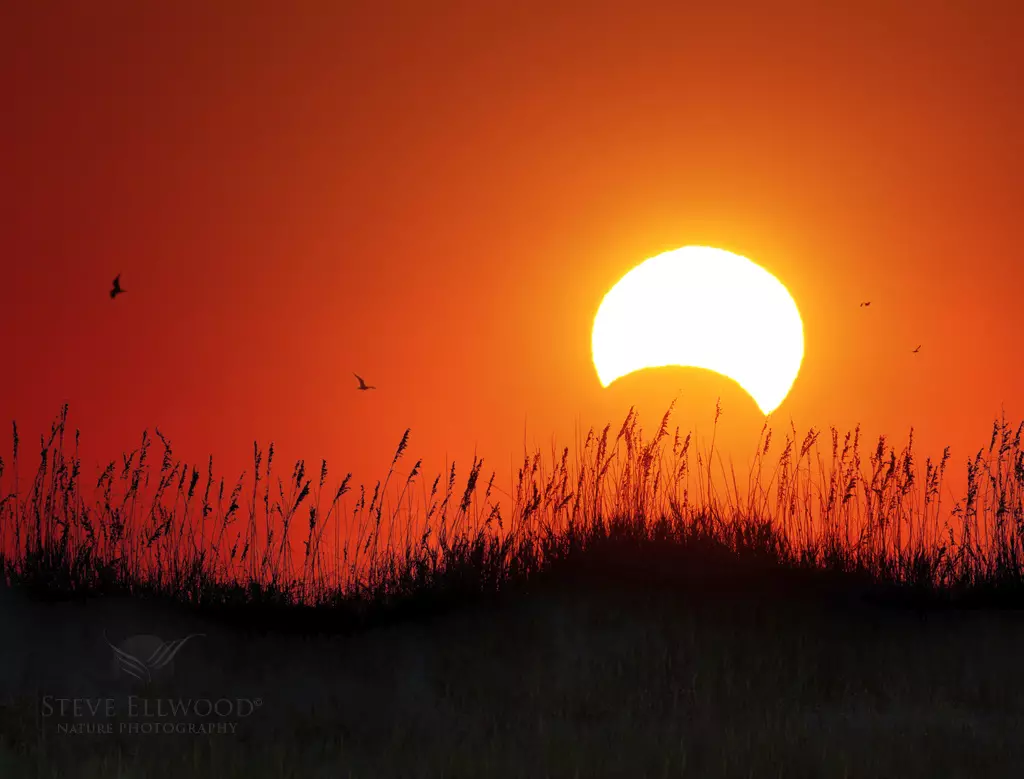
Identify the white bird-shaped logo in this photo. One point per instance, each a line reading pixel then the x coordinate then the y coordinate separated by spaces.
pixel 159 654
pixel 362 384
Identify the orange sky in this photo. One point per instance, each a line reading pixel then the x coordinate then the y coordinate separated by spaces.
pixel 437 196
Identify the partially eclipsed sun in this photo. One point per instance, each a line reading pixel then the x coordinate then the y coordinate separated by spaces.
pixel 704 308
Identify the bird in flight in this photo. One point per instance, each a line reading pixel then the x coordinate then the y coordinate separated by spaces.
pixel 116 289
pixel 915 351
pixel 865 304
pixel 362 384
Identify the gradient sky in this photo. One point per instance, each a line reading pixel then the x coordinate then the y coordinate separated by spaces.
pixel 437 195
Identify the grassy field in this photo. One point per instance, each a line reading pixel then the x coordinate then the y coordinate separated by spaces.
pixel 619 616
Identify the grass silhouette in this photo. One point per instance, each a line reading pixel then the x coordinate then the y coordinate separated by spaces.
pixel 624 520
pixel 173 531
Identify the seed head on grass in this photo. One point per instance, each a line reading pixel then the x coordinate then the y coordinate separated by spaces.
pixel 882 519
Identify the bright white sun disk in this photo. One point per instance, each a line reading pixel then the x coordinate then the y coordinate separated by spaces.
pixel 706 308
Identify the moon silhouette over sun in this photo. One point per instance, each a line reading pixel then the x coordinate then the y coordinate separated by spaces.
pixel 705 308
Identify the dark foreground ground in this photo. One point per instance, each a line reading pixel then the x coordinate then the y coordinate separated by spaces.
pixel 572 682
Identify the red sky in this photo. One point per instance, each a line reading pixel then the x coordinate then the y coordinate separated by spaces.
pixel 437 196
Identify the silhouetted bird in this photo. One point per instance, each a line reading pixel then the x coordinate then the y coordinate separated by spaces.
pixel 116 290
pixel 865 304
pixel 915 351
pixel 362 384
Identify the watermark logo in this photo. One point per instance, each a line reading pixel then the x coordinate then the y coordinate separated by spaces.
pixel 147 658
pixel 143 659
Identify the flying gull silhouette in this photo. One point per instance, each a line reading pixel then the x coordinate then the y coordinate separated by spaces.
pixel 362 384
pixel 915 351
pixel 116 290
pixel 865 304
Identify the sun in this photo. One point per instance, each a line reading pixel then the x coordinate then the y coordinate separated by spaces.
pixel 705 308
